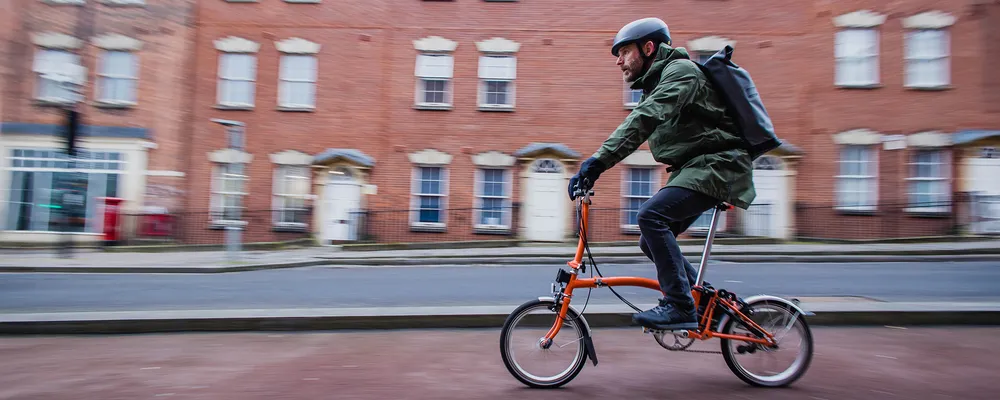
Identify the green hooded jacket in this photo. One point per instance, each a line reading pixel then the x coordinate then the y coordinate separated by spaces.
pixel 684 120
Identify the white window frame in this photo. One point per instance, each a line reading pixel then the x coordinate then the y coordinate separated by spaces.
pixel 487 73
pixel 872 57
pixel 103 76
pixel 282 175
pixel 627 92
pixel 251 77
pixel 41 67
pixel 506 199
pixel 944 169
pixel 869 174
pixel 92 161
pixel 217 203
pixel 416 194
pixel 944 58
pixel 284 82
pixel 426 71
pixel 626 192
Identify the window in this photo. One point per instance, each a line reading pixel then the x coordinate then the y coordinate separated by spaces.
pixel 632 96
pixel 857 180
pixel 227 193
pixel 857 57
pixel 434 73
pixel 237 73
pixel 429 192
pixel 117 77
pixel 639 183
pixel 52 61
pixel 291 190
pixel 497 75
pixel 492 199
pixel 45 192
pixel 297 87
pixel 703 56
pixel 927 58
pixel 928 180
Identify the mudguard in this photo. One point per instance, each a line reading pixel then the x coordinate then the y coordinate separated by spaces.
pixel 588 343
pixel 764 297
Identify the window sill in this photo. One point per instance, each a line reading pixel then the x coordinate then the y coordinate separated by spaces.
pixel 630 230
pixel 434 107
pixel 222 224
pixel 855 211
pixel 297 228
pixel 491 230
pixel 64 2
pixel 296 109
pixel 496 108
pixel 928 212
pixel 872 86
pixel 113 105
pixel 53 103
pixel 630 106
pixel 939 88
pixel 124 3
pixel 303 1
pixel 233 107
pixel 426 227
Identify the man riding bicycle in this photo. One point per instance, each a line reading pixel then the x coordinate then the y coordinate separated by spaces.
pixel 685 121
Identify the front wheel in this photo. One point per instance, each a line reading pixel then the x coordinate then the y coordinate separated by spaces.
pixel 761 365
pixel 521 344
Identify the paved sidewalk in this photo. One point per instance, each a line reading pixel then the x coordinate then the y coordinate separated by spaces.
pixel 217 261
pixel 847 364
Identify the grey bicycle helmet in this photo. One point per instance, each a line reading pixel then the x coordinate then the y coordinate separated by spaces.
pixel 641 30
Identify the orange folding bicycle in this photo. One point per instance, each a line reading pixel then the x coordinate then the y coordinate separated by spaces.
pixel 738 323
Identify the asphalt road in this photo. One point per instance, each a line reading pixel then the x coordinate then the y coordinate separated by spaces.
pixel 848 363
pixel 321 287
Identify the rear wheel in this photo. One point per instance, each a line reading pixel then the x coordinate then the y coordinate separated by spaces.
pixel 522 345
pixel 760 365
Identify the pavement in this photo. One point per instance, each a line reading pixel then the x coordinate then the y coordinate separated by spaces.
pixel 336 287
pixel 219 261
pixel 848 363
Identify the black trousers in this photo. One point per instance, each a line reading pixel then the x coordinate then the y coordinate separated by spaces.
pixel 670 212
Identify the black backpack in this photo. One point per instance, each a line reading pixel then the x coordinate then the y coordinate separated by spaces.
pixel 738 91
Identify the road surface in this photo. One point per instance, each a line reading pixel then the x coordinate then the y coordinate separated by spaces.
pixel 322 287
pixel 848 363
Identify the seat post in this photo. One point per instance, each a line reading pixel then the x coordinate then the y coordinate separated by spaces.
pixel 703 264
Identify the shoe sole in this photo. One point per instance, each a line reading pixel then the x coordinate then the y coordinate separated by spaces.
pixel 682 325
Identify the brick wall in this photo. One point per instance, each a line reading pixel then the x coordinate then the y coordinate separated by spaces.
pixel 163 27
pixel 568 90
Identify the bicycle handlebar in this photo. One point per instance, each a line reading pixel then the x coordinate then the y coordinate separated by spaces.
pixel 584 189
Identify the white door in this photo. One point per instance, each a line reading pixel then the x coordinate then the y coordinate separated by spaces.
pixel 985 188
pixel 342 198
pixel 768 215
pixel 546 200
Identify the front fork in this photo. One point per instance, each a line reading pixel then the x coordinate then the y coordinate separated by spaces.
pixel 562 292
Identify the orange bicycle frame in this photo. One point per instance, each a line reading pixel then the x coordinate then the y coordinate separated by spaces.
pixel 703 333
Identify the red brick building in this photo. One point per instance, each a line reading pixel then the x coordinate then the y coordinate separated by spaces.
pixel 463 120
pixel 135 107
pixel 460 120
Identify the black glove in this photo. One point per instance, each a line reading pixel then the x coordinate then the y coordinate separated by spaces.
pixel 591 169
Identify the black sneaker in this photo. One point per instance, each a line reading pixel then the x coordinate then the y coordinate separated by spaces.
pixel 667 316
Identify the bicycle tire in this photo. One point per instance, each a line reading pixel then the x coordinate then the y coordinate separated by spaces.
pixel 575 367
pixel 745 376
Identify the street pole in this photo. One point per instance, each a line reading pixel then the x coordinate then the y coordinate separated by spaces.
pixel 235 139
pixel 72 79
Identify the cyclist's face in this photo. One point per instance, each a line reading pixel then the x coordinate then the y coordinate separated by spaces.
pixel 630 61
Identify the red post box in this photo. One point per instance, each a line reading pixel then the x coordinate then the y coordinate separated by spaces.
pixel 112 214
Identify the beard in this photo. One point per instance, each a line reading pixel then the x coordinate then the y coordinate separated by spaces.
pixel 632 71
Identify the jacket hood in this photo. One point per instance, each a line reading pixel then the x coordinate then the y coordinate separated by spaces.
pixel 664 55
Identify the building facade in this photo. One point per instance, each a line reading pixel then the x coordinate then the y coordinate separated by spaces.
pixel 416 120
pixel 133 107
